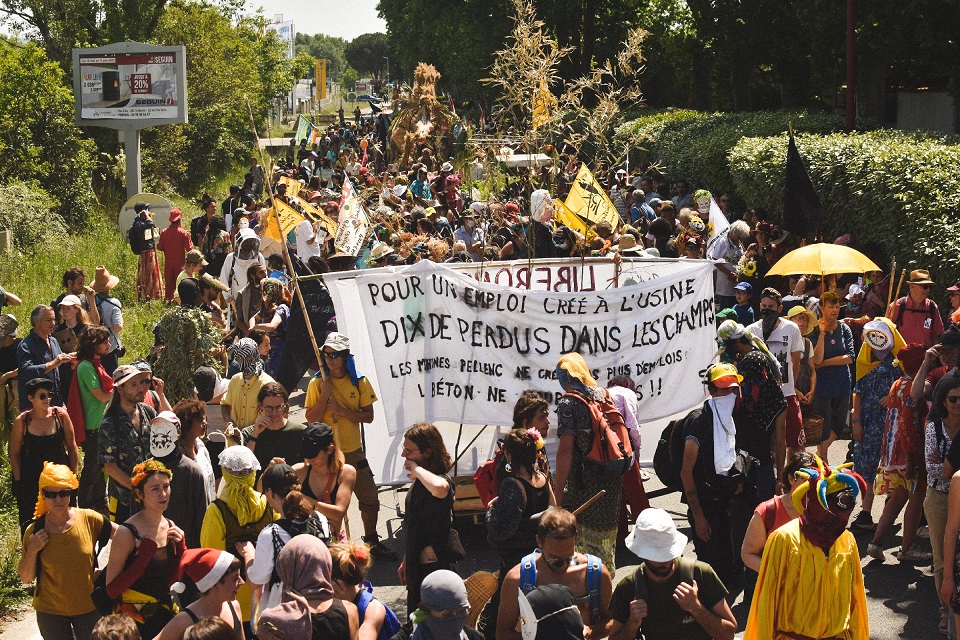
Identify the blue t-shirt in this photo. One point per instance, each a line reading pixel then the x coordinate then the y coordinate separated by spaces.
pixel 834 381
pixel 744 314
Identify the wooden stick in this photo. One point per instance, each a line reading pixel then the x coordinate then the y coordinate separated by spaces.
pixel 589 502
pixel 893 276
pixel 896 295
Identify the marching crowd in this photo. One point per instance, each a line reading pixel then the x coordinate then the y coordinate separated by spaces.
pixel 227 517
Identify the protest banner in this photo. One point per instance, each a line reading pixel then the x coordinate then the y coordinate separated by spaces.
pixel 442 345
pixel 352 228
pixel 589 200
pixel 288 217
pixel 304 127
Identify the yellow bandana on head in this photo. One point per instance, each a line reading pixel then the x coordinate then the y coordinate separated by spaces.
pixel 238 492
pixel 54 475
pixel 576 366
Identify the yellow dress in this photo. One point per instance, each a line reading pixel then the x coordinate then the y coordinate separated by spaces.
pixel 803 591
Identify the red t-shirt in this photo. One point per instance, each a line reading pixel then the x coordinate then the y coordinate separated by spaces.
pixel 773 514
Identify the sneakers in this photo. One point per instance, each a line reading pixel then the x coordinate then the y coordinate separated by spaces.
pixel 863 522
pixel 913 556
pixel 379 550
pixel 924 532
pixel 875 551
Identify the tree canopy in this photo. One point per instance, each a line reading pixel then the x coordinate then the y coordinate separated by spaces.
pixel 368 53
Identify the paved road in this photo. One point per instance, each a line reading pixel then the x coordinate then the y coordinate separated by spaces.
pixel 901 598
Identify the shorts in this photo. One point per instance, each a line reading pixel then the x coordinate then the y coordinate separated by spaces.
pixel 795 436
pixel 835 412
pixel 368 498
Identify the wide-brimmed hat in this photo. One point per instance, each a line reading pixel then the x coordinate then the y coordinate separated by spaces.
pixel 801 310
pixel 446 166
pixel 103 281
pixel 655 537
pixel 175 214
pixel 955 287
pixel 337 341
pixel 919 276
pixel 380 251
pixel 125 372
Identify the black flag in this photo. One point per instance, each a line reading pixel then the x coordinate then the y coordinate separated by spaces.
pixel 801 206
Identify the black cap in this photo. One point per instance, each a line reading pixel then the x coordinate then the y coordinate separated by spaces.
pixel 316 437
pixel 140 206
pixel 950 338
pixel 279 478
pixel 205 380
pixel 40 383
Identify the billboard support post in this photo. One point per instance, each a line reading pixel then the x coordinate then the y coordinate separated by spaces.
pixel 131 149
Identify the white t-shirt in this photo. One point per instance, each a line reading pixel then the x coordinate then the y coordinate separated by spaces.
pixel 784 340
pixel 304 250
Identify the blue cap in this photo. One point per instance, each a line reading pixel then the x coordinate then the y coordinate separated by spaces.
pixel 744 286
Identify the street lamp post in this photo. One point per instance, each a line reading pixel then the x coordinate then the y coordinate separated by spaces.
pixel 387 58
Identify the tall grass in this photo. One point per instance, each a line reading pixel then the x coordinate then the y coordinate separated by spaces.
pixel 36 278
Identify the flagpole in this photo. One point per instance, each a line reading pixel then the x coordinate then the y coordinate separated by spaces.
pixel 283 244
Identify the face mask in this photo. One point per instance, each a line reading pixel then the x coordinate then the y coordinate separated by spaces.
pixel 443 628
pixel 766 313
pixel 725 405
pixel 822 527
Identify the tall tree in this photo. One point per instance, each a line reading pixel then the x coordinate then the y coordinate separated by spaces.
pixel 330 48
pixel 368 53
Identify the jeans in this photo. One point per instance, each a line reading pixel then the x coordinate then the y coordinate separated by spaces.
pixel 54 627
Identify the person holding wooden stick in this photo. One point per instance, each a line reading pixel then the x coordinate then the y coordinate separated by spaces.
pixel 917 316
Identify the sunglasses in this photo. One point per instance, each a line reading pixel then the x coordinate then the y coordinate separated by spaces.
pixel 334 355
pixel 953 399
pixel 42 396
pixel 63 493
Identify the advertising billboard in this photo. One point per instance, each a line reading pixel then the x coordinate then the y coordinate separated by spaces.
pixel 130 85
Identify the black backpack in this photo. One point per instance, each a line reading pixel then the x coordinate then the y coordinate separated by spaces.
pixel 668 458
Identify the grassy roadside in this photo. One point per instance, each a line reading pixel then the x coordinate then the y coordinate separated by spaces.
pixel 35 278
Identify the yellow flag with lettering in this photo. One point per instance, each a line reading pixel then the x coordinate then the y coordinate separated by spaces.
pixel 288 217
pixel 568 218
pixel 588 200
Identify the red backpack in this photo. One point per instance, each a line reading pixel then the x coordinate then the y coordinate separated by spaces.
pixel 610 452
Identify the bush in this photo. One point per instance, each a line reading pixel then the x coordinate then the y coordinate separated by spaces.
pixel 899 190
pixel 694 145
pixel 27 211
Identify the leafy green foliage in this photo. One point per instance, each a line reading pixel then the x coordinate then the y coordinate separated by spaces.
pixel 367 53
pixel 38 140
pixel 187 336
pixel 322 46
pixel 26 209
pixel 694 145
pixel 899 190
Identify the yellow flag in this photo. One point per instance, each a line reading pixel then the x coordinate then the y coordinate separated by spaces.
pixel 587 199
pixel 306 209
pixel 568 218
pixel 289 219
pixel 542 103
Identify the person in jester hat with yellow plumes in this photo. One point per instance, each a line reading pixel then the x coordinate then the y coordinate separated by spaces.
pixel 810 583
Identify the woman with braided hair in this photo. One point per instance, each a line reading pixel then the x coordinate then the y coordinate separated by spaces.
pixel 272 319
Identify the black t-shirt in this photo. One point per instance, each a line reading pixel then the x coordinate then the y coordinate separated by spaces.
pixel 699 426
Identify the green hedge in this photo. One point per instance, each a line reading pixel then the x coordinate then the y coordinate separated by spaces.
pixel 694 145
pixel 899 190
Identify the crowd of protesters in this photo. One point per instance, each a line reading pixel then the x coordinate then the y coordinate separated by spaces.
pixel 226 515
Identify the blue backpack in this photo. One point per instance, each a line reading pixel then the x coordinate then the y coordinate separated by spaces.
pixel 528 580
pixel 391 624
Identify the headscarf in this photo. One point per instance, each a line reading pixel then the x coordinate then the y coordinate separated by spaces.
pixel 730 330
pixel 880 337
pixel 824 520
pixel 271 289
pixel 304 567
pixel 239 475
pixel 572 371
pixel 54 475
pixel 442 590
pixel 246 355
pixel 538 202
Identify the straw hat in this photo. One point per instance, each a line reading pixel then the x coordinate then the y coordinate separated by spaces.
pixel 104 281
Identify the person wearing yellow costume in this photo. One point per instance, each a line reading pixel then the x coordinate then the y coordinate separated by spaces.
pixel 810 584
pixel 236 517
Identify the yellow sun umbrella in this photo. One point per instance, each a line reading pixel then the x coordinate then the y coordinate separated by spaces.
pixel 822 258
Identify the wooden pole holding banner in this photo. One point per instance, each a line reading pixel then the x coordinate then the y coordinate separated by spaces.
pixel 896 295
pixel 283 242
pixel 293 274
pixel 893 276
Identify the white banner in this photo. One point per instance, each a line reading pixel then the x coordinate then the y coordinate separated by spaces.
pixel 440 345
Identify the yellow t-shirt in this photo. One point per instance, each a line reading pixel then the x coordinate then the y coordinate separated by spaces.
pixel 241 395
pixel 66 566
pixel 350 397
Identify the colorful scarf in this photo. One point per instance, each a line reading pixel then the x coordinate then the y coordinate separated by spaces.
pixel 54 475
pixel 244 501
pixel 75 403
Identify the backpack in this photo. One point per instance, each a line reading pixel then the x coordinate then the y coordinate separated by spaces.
pixel 236 532
pixel 486 478
pixel 931 310
pixel 610 453
pixel 668 458
pixel 528 580
pixel 312 526
pixel 391 624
